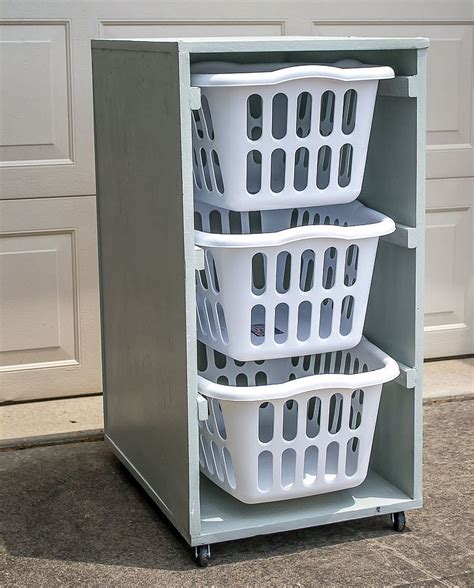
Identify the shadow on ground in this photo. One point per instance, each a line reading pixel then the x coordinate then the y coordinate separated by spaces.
pixel 76 503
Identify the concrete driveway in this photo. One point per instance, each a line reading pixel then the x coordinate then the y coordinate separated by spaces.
pixel 72 516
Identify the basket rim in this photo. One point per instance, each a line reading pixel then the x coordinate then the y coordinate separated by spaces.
pixel 345 71
pixel 388 372
pixel 383 225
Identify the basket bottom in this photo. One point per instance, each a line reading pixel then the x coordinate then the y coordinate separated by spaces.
pixel 330 485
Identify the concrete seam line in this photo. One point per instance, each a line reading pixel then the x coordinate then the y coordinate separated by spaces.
pixel 53 439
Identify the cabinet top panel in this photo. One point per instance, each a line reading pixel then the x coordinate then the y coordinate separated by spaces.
pixel 259 44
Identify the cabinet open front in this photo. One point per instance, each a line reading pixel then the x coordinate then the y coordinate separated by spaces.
pixel 148 260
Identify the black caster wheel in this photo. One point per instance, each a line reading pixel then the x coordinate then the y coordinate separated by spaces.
pixel 399 521
pixel 202 553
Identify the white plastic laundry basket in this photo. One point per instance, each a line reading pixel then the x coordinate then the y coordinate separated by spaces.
pixel 293 427
pixel 273 136
pixel 285 282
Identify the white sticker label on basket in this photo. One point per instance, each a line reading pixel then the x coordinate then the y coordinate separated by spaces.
pixel 259 330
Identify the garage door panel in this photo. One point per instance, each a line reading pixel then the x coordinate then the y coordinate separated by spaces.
pixel 450 117
pixel 37 297
pixel 449 267
pixel 447 238
pixel 46 131
pixel 49 319
pixel 34 80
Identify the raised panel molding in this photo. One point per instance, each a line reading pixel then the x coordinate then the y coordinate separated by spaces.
pixel 447 241
pixel 35 80
pixel 449 301
pixel 46 122
pixel 444 90
pixel 39 323
pixel 25 71
pixel 49 311
pixel 119 28
pixel 450 120
pixel 450 123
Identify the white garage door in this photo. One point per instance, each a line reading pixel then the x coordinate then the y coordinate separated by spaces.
pixel 49 320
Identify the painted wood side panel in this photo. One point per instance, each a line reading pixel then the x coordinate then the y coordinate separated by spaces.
pixel 142 261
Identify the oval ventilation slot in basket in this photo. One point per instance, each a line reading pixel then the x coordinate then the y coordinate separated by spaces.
pixel 216 166
pixel 219 418
pixel 332 458
pixel 357 405
pixel 290 420
pixel 254 172
pixel 352 456
pixel 218 462
pixel 215 222
pixel 310 467
pixel 325 318
pixel 206 449
pixel 257 324
pixel 261 377
pixel 301 170
pixel 266 419
pixel 197 171
pixel 350 269
pixel 235 222
pixel 329 268
pixel 207 117
pixel 229 468
pixel 222 323
pixel 255 222
pixel 279 115
pixel 212 271
pixel 326 117
pixel 303 114
pixel 288 468
pixel 347 315
pixel 304 320
pixel 323 172
pixel 277 170
pixel 313 417
pixel 349 112
pixel 201 357
pixel 307 270
pixel 345 165
pixel 206 170
pixel 259 272
pixel 281 322
pixel 335 413
pixel 254 117
pixel 211 319
pixel 198 126
pixel 265 471
pixel 283 269
pixel 220 360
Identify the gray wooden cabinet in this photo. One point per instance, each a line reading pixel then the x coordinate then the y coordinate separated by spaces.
pixel 142 101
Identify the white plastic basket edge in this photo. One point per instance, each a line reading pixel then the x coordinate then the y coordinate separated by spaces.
pixel 286 74
pixel 376 225
pixel 388 372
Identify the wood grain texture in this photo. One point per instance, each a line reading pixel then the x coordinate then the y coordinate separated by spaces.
pixel 142 261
